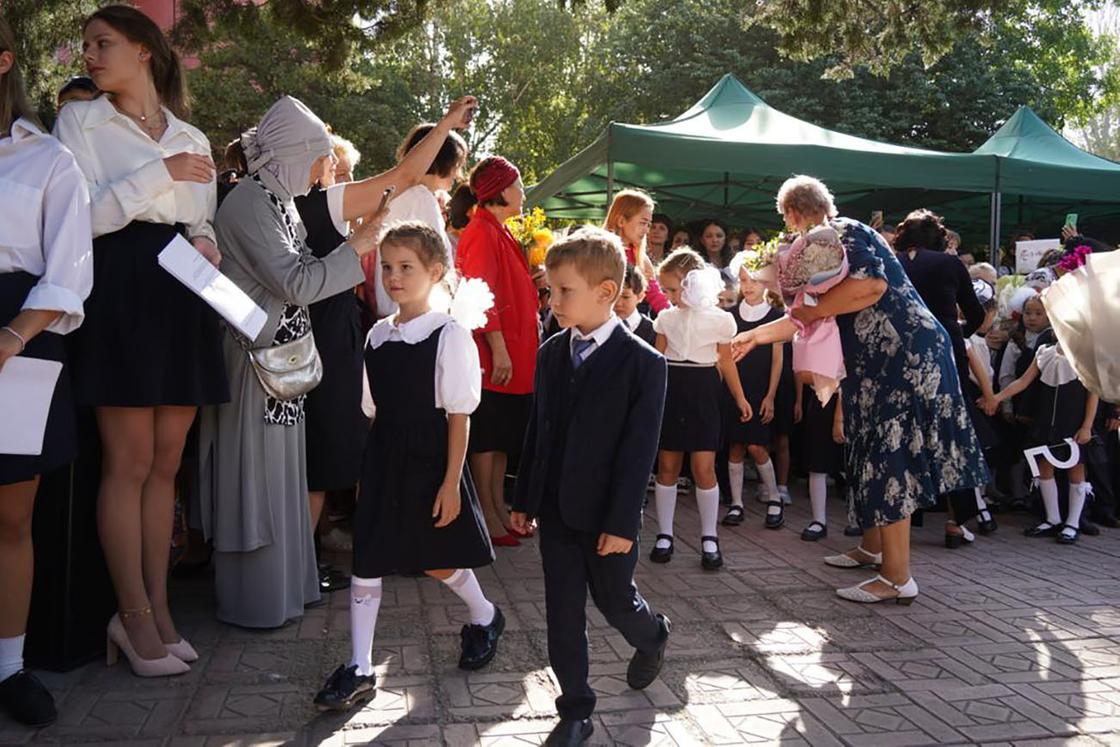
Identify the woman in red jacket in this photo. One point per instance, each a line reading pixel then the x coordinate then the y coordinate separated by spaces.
pixel 507 344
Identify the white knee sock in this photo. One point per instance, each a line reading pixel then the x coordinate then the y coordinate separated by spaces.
pixel 818 493
pixel 735 473
pixel 11 656
pixel 465 585
pixel 665 505
pixel 981 504
pixel 1076 503
pixel 365 601
pixel 1049 490
pixel 766 474
pixel 707 502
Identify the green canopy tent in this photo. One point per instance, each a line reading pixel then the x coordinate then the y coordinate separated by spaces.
pixel 726 156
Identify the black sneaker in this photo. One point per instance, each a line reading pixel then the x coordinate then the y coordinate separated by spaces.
pixel 27 700
pixel 480 642
pixel 644 667
pixel 344 689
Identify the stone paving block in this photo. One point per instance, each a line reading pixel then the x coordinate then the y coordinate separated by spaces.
pixel 781 638
pixel 721 683
pixel 761 722
pixel 503 695
pixel 922 669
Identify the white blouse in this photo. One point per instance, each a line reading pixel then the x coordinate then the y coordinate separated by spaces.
pixel 414 204
pixel 979 345
pixel 44 223
pixel 124 168
pixel 1053 367
pixel 693 333
pixel 458 374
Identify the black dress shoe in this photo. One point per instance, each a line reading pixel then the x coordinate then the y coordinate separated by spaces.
pixel 662 554
pixel 644 667
pixel 332 579
pixel 734 517
pixel 815 531
pixel 985 524
pixel 1068 535
pixel 775 521
pixel 570 732
pixel 1089 529
pixel 853 531
pixel 26 700
pixel 1041 530
pixel 480 642
pixel 710 561
pixel 344 689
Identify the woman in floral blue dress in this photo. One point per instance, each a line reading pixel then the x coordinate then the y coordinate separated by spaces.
pixel 908 431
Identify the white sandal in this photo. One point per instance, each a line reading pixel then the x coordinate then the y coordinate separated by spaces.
pixel 843 560
pixel 907 592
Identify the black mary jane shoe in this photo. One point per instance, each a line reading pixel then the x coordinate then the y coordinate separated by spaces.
pixel 734 518
pixel 27 700
pixel 710 561
pixel 1088 528
pixel 853 531
pixel 775 521
pixel 1064 537
pixel 332 579
pixel 662 554
pixel 1041 530
pixel 815 531
pixel 344 689
pixel 985 523
pixel 644 667
pixel 570 732
pixel 480 642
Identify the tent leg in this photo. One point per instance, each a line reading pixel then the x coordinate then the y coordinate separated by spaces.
pixel 610 182
pixel 993 235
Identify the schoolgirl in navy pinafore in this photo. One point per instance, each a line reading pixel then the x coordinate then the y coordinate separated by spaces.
pixel 403 467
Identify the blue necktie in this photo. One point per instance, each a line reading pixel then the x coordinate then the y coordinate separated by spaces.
pixel 579 347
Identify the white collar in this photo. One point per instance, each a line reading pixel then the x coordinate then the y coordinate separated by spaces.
pixel 413 331
pixel 23 129
pixel 1054 368
pixel 755 312
pixel 600 334
pixel 634 320
pixel 101 110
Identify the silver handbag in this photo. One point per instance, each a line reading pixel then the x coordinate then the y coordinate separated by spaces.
pixel 288 370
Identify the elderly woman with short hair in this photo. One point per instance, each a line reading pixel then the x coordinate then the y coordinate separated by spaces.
pixel 907 428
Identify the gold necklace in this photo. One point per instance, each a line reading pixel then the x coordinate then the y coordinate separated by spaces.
pixel 142 119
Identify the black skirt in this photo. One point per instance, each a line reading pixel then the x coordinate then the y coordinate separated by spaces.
pixel 692 409
pixel 147 340
pixel 821 453
pixel 59 440
pixel 499 423
pixel 1059 415
pixel 786 396
pixel 336 426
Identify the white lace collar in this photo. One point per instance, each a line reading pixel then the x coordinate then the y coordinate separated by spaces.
pixel 413 331
pixel 1053 367
pixel 754 313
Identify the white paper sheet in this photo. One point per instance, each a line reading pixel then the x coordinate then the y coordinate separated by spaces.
pixel 1028 253
pixel 26 391
pixel 192 270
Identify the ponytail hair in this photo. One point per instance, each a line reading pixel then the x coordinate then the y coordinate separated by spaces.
pixel 167 69
pixel 460 207
pixel 13 96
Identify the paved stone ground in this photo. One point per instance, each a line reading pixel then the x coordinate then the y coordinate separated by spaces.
pixel 1013 641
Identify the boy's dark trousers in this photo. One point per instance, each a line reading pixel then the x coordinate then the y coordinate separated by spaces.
pixel 572 565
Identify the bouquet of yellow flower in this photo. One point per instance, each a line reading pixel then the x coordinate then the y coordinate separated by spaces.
pixel 533 234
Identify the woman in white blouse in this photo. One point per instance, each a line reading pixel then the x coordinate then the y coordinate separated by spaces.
pixel 150 351
pixel 45 274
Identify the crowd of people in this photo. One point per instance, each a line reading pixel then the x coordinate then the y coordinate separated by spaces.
pixel 414 357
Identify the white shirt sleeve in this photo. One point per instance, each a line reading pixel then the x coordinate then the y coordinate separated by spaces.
pixel 728 328
pixel 67 248
pixel 458 377
pixel 114 204
pixel 1007 372
pixel 335 196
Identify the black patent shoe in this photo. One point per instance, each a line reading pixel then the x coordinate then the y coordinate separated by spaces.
pixel 815 531
pixel 734 517
pixel 775 521
pixel 985 523
pixel 570 732
pixel 1042 530
pixel 644 667
pixel 480 642
pixel 332 579
pixel 27 700
pixel 1068 535
pixel 853 531
pixel 344 689
pixel 662 554
pixel 710 561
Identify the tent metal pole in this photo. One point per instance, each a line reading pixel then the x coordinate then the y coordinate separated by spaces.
pixel 610 182
pixel 993 235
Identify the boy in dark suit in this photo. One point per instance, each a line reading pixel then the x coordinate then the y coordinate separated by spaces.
pixel 589 448
pixel 634 286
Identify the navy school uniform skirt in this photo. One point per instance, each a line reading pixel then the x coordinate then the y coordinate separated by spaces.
pixel 59 441
pixel 692 408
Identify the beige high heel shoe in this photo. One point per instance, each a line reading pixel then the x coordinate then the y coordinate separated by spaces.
pixel 117 641
pixel 182 650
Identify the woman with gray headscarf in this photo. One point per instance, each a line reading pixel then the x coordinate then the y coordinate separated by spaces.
pixel 252 450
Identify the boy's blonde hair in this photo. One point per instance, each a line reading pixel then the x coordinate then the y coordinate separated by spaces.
pixel 681 261
pixel 627 204
pixel 596 254
pixel 984 271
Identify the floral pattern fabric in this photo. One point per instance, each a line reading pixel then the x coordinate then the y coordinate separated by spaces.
pixel 909 434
